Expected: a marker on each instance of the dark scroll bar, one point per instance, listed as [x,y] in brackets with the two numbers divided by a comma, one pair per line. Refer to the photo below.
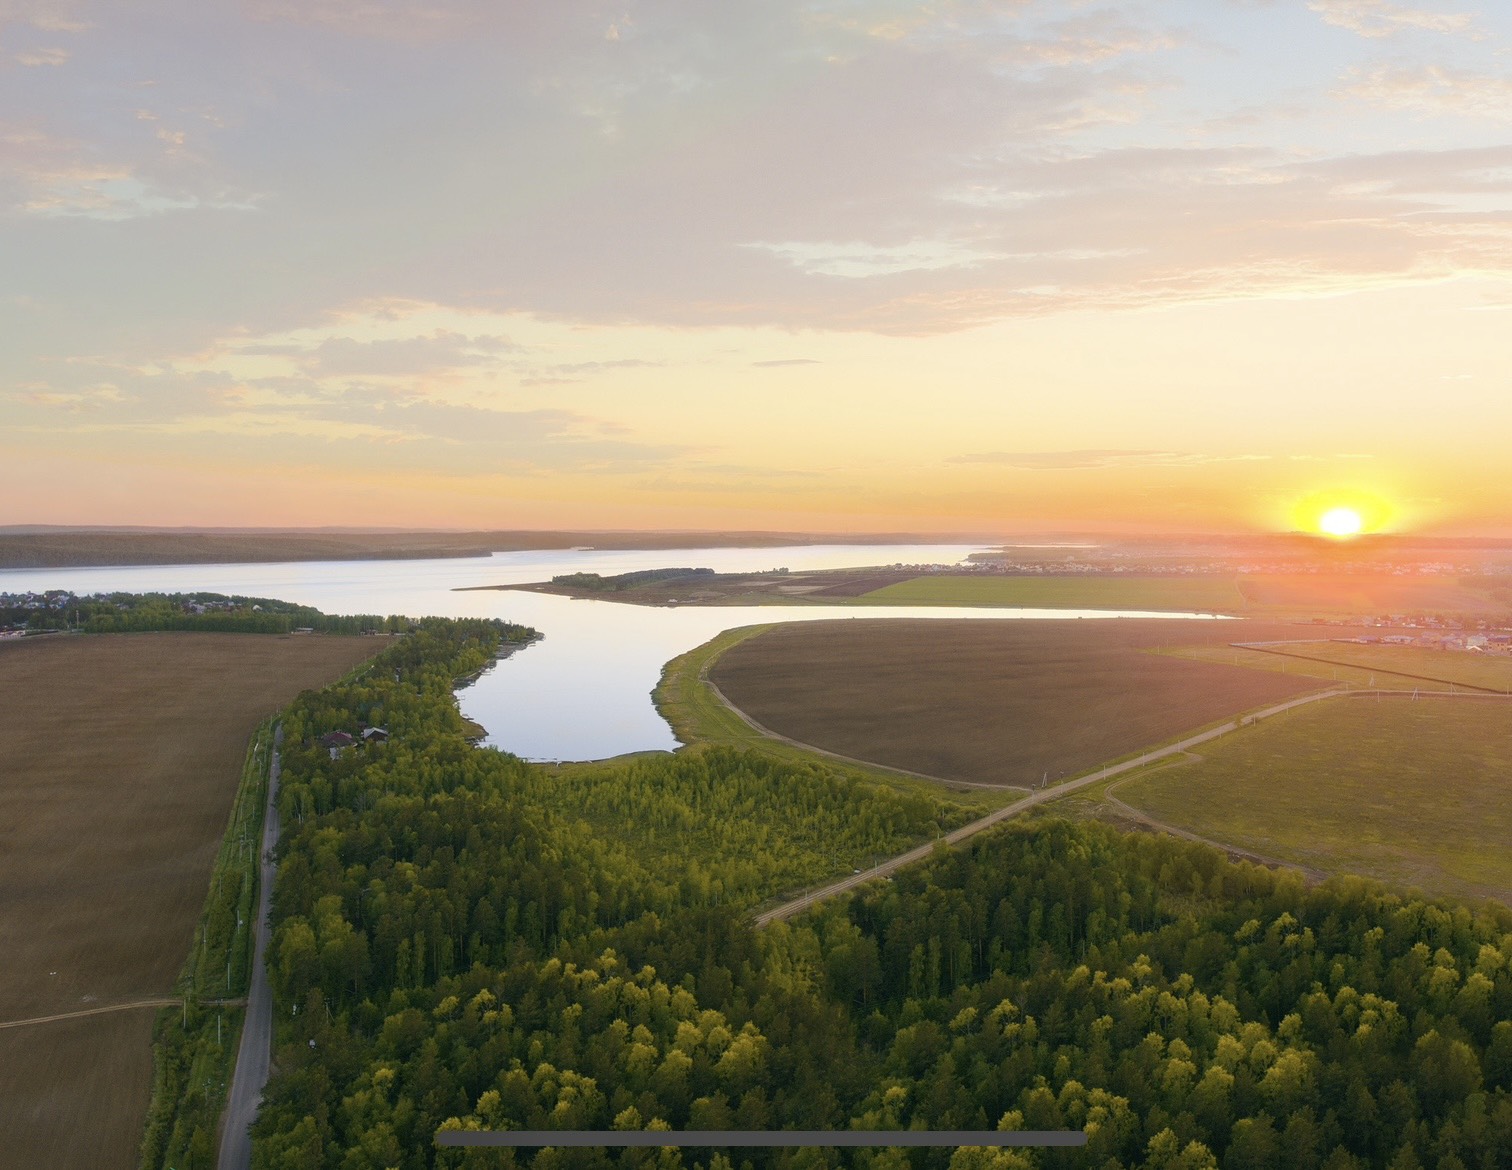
[762,1137]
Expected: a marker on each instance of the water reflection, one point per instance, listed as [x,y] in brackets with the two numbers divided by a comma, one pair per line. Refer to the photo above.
[584,691]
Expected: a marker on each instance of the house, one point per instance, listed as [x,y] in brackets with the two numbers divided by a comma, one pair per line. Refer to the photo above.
[336,742]
[374,735]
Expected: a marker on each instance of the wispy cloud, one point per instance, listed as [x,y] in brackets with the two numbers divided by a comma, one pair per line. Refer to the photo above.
[1085,459]
[388,19]
[1433,90]
[43,56]
[1089,39]
[49,175]
[1381,18]
[439,353]
[858,260]
[46,15]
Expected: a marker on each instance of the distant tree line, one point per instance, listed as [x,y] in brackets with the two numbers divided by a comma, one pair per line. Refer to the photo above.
[111,613]
[594,583]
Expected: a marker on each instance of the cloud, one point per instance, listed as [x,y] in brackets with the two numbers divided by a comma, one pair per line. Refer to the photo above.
[43,56]
[787,362]
[1381,18]
[47,15]
[438,354]
[567,373]
[1433,90]
[48,175]
[856,260]
[1081,460]
[409,385]
[386,19]
[885,167]
[1090,39]
[80,401]
[354,424]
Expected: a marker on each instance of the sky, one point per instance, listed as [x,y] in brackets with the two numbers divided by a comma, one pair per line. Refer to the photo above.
[823,265]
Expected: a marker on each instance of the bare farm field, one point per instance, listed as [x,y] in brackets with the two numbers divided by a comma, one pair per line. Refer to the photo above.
[1003,703]
[121,757]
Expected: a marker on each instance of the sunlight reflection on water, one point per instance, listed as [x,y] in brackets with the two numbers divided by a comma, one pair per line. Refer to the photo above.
[584,691]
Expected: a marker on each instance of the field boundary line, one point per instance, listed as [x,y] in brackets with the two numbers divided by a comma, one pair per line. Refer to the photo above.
[1045,795]
[94,1011]
[808,747]
[1042,796]
[1268,648]
[1234,851]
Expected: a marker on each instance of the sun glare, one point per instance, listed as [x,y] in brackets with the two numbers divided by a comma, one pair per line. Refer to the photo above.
[1342,512]
[1340,523]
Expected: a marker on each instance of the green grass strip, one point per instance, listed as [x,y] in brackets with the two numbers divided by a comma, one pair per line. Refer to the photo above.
[194,1045]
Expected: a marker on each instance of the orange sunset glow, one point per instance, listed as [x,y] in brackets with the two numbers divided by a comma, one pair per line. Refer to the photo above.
[933,270]
[756,584]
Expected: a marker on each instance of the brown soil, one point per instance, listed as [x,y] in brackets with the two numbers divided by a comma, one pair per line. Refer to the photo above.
[74,1092]
[121,758]
[996,702]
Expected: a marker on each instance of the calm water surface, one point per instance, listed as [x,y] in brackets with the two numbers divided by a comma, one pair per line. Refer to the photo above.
[584,691]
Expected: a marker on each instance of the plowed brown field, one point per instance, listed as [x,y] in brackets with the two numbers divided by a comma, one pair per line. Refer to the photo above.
[119,759]
[993,702]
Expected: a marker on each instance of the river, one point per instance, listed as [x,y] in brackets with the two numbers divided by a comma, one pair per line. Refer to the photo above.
[583,692]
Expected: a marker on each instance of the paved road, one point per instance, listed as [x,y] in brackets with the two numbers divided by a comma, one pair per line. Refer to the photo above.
[1055,792]
[252,1058]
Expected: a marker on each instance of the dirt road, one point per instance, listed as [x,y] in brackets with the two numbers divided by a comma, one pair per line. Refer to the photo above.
[1054,792]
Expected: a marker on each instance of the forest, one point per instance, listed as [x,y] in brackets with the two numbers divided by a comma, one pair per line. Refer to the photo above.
[464,940]
[595,583]
[122,613]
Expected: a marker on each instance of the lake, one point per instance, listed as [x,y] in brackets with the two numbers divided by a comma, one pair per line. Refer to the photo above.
[584,691]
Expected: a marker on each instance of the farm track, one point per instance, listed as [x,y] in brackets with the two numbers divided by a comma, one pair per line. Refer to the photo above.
[1044,796]
[1233,851]
[118,1007]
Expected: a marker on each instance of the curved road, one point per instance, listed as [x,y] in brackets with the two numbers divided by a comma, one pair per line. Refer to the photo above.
[1055,792]
[255,1051]
[797,905]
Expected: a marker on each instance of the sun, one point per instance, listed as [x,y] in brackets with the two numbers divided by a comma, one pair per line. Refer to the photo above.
[1340,523]
[1342,512]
